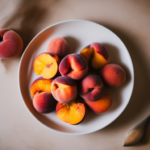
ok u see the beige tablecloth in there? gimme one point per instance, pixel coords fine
(129, 19)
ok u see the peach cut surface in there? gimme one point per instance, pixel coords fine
(71, 113)
(41, 85)
(46, 65)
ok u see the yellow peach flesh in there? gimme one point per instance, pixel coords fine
(46, 65)
(87, 53)
(40, 85)
(71, 113)
(49, 72)
(98, 60)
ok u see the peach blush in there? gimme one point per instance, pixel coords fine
(96, 55)
(11, 44)
(58, 46)
(73, 66)
(44, 102)
(113, 75)
(64, 89)
(91, 87)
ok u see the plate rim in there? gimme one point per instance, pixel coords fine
(61, 22)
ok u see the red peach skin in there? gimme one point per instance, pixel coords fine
(73, 66)
(58, 46)
(11, 44)
(64, 89)
(91, 87)
(113, 75)
(44, 102)
(96, 55)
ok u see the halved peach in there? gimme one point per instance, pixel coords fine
(40, 85)
(46, 65)
(101, 105)
(72, 113)
(96, 55)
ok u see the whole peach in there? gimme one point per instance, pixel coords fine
(113, 75)
(58, 46)
(11, 44)
(73, 66)
(44, 102)
(64, 89)
(91, 87)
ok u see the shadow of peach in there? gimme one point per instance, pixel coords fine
(73, 43)
(31, 13)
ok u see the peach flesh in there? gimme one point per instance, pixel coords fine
(46, 65)
(40, 85)
(96, 55)
(73, 66)
(44, 102)
(113, 75)
(11, 44)
(64, 89)
(91, 87)
(101, 105)
(72, 113)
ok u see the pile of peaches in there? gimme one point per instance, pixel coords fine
(71, 83)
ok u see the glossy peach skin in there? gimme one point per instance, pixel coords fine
(73, 66)
(96, 55)
(91, 87)
(44, 102)
(58, 46)
(101, 105)
(64, 89)
(40, 85)
(72, 113)
(113, 75)
(11, 44)
(46, 65)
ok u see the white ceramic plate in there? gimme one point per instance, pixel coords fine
(78, 33)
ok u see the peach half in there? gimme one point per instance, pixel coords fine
(95, 55)
(64, 89)
(73, 66)
(46, 65)
(11, 44)
(44, 102)
(58, 46)
(40, 85)
(72, 113)
(113, 75)
(91, 87)
(101, 105)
